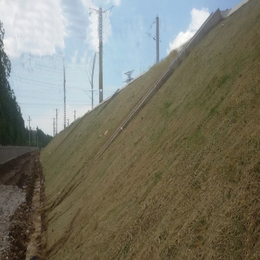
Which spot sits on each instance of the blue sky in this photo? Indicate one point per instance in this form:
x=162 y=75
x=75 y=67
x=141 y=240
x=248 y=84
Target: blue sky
x=42 y=36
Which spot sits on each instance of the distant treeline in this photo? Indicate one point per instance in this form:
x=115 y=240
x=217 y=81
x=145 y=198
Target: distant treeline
x=12 y=129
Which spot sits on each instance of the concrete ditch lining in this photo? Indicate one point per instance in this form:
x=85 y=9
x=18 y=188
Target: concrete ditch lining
x=8 y=153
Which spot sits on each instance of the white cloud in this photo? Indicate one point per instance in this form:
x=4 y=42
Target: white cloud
x=84 y=58
x=107 y=27
x=39 y=27
x=92 y=34
x=36 y=27
x=92 y=30
x=197 y=19
x=74 y=57
x=117 y=2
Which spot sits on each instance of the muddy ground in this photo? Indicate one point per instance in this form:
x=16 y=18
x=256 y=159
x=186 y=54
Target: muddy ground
x=21 y=197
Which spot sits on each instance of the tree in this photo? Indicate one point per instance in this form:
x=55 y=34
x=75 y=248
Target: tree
x=12 y=131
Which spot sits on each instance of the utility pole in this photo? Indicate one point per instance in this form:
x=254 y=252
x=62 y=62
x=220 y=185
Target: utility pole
x=64 y=95
x=100 y=16
x=29 y=120
x=54 y=133
x=56 y=121
x=74 y=115
x=92 y=84
x=157 y=39
x=68 y=122
x=100 y=35
x=35 y=134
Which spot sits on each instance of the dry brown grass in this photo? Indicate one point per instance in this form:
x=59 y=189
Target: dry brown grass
x=182 y=181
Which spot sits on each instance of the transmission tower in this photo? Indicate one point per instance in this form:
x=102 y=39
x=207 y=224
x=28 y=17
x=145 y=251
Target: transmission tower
x=129 y=76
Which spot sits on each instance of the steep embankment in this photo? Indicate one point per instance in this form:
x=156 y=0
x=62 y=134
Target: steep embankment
x=182 y=181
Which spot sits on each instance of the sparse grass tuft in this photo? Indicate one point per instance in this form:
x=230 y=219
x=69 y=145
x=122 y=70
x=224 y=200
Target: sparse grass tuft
x=223 y=80
x=126 y=249
x=157 y=177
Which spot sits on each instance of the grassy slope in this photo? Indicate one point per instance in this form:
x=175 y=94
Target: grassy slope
x=182 y=180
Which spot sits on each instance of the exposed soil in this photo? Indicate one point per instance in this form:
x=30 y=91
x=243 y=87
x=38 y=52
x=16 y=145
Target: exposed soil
x=21 y=193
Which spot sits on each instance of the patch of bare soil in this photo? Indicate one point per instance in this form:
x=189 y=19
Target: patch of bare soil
x=10 y=199
x=22 y=178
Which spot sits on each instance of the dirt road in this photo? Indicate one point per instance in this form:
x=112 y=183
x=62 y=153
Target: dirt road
x=21 y=196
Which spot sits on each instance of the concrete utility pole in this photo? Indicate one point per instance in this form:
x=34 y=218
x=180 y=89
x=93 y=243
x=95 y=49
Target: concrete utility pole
x=100 y=16
x=29 y=120
x=35 y=136
x=100 y=35
x=92 y=82
x=54 y=133
x=64 y=96
x=75 y=115
x=56 y=121
x=157 y=39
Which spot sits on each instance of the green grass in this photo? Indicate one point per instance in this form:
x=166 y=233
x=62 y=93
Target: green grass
x=157 y=177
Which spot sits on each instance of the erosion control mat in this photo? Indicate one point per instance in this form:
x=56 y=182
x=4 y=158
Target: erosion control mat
x=20 y=180
x=182 y=180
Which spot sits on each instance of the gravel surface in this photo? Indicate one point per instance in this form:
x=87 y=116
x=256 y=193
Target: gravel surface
x=10 y=199
x=17 y=209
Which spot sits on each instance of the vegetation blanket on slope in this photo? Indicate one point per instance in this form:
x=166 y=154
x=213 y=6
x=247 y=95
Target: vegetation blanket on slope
x=182 y=180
